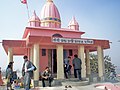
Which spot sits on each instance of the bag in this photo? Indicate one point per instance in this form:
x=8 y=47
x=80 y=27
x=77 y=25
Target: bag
x=34 y=67
x=23 y=69
x=31 y=72
x=30 y=64
x=23 y=72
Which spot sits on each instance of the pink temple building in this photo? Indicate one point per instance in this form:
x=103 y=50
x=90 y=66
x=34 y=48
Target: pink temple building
x=47 y=44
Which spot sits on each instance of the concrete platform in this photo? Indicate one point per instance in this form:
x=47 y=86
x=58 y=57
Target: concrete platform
x=64 y=82
x=75 y=82
x=87 y=87
x=60 y=85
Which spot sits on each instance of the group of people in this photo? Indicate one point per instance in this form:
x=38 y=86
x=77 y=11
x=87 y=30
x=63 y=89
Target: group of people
x=76 y=65
x=27 y=72
x=28 y=68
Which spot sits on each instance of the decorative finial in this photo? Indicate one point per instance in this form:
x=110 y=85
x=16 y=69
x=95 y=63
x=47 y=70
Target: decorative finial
x=49 y=0
x=34 y=13
x=73 y=18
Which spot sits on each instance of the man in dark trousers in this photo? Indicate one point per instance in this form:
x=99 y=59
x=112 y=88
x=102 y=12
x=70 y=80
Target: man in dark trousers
x=46 y=75
x=67 y=67
x=77 y=66
x=28 y=70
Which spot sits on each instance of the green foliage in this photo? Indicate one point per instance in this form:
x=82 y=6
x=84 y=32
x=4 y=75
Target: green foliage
x=94 y=63
x=109 y=67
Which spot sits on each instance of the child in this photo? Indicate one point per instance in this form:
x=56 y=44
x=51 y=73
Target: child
x=15 y=85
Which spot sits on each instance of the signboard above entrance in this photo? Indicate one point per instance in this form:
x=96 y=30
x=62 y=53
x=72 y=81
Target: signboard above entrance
x=71 y=40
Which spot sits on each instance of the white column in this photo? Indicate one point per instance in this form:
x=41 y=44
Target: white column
x=60 y=69
x=10 y=54
x=36 y=63
x=88 y=69
x=31 y=54
x=81 y=56
x=100 y=63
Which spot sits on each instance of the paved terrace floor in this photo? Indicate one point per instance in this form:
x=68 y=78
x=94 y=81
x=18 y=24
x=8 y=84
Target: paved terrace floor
x=87 y=87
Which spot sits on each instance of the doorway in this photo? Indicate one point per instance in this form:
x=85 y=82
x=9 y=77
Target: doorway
x=54 y=61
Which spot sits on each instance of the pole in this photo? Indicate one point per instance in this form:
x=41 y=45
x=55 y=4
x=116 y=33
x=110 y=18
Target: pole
x=25 y=2
x=27 y=11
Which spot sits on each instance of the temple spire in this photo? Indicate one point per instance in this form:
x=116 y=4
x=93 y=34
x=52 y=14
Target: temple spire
x=34 y=13
x=34 y=21
x=73 y=24
x=50 y=16
x=49 y=0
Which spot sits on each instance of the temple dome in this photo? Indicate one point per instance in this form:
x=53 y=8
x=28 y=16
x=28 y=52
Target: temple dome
x=73 y=24
x=50 y=16
x=34 y=20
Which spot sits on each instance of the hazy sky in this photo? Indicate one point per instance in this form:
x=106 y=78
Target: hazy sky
x=100 y=19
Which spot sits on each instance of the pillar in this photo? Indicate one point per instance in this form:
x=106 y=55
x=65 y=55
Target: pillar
x=60 y=69
x=81 y=56
x=10 y=54
x=31 y=54
x=36 y=61
x=88 y=69
x=100 y=63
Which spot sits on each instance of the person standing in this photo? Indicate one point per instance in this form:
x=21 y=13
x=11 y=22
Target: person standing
x=77 y=66
x=9 y=76
x=11 y=64
x=67 y=66
x=27 y=71
x=1 y=81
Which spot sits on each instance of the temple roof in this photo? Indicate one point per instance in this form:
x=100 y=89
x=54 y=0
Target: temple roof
x=50 y=13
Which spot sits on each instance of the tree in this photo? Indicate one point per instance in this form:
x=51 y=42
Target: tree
x=94 y=63
x=109 y=67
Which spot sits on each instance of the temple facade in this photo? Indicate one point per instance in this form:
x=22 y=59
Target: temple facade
x=47 y=44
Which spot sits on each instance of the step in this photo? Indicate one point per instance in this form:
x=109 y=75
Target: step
x=75 y=82
x=64 y=82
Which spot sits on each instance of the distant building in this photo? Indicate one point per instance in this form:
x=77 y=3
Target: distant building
x=47 y=44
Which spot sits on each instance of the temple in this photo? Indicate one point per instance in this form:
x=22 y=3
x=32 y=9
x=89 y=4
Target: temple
x=47 y=44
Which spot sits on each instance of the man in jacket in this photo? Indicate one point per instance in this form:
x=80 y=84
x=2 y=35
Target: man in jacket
x=77 y=66
x=28 y=70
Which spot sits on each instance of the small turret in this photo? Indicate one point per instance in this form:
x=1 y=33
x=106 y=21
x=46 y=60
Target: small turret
x=34 y=20
x=73 y=24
